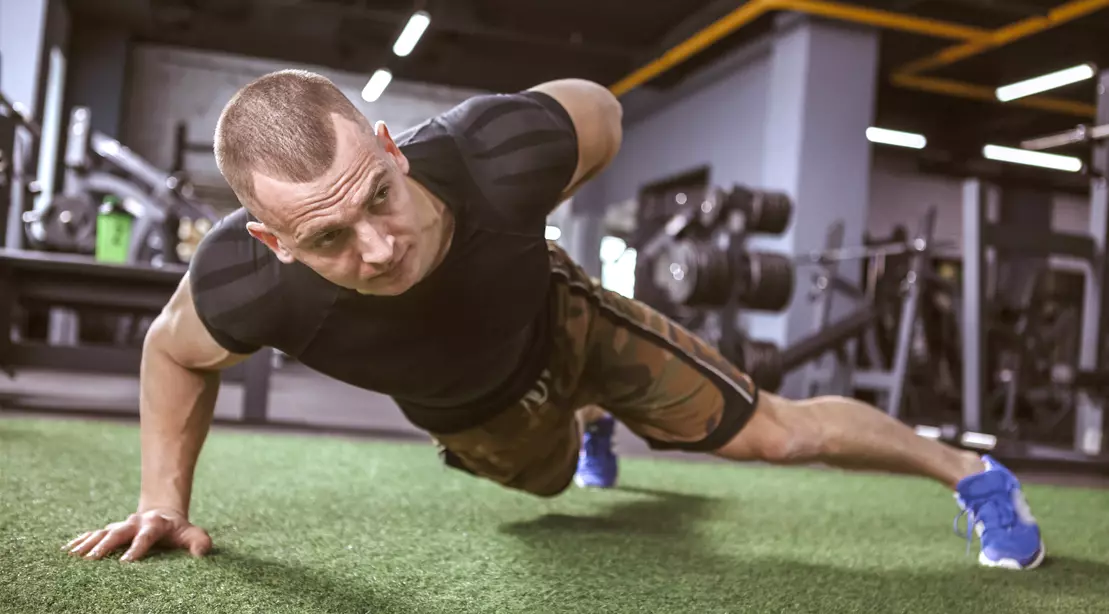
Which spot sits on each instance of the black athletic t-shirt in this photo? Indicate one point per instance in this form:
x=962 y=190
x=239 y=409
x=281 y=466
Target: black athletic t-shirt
x=471 y=338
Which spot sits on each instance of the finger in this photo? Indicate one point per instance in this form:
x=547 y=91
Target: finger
x=115 y=538
x=83 y=548
x=76 y=540
x=196 y=540
x=147 y=536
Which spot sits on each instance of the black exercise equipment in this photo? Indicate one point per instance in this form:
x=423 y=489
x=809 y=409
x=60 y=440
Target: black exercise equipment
x=36 y=281
x=1021 y=381
x=17 y=133
x=53 y=294
x=7 y=146
x=698 y=274
x=162 y=203
x=98 y=165
x=843 y=376
x=761 y=360
x=700 y=261
x=656 y=205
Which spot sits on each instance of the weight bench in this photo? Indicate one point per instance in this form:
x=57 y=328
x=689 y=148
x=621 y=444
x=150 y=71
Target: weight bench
x=49 y=280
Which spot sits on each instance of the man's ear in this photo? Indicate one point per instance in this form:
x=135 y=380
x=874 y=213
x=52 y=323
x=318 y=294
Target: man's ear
x=386 y=141
x=259 y=231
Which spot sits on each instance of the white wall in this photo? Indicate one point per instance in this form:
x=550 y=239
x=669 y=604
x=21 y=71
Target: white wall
x=169 y=85
x=22 y=28
x=719 y=126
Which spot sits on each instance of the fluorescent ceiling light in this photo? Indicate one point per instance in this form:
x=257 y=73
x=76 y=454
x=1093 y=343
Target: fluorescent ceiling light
x=411 y=34
x=1043 y=83
x=1032 y=158
x=376 y=85
x=895 y=137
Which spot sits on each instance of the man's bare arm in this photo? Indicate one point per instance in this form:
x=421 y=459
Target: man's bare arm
x=597 y=116
x=179 y=383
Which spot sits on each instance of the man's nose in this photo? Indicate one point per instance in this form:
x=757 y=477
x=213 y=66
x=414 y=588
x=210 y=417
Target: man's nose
x=376 y=247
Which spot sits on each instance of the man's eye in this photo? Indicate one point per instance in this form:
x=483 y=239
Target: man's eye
x=382 y=194
x=328 y=238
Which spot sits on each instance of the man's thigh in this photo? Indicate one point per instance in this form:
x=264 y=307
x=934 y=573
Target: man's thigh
x=531 y=447
x=665 y=384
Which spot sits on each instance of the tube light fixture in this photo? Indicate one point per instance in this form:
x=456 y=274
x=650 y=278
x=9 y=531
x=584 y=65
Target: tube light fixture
x=376 y=85
x=411 y=34
x=1032 y=158
x=895 y=137
x=1046 y=82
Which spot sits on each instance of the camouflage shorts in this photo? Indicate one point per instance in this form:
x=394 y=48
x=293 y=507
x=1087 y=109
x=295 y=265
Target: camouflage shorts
x=666 y=385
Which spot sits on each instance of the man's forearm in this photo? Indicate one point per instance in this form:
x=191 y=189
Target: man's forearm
x=176 y=406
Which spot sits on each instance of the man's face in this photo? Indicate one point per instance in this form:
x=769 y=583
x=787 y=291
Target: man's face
x=362 y=225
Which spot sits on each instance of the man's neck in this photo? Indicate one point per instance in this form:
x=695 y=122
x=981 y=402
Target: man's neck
x=445 y=224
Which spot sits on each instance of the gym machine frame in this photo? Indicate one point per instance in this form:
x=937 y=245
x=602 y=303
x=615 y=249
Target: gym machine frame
x=842 y=377
x=158 y=197
x=67 y=281
x=701 y=261
x=75 y=282
x=1091 y=381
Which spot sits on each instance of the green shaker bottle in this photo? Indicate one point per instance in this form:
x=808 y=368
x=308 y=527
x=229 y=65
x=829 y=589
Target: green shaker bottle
x=113 y=231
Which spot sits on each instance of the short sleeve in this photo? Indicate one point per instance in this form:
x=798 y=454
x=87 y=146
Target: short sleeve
x=234 y=285
x=519 y=149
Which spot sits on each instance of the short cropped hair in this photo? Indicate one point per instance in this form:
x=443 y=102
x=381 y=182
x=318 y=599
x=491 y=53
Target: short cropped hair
x=280 y=125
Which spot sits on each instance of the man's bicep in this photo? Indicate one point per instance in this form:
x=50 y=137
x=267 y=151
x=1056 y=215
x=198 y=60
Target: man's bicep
x=596 y=115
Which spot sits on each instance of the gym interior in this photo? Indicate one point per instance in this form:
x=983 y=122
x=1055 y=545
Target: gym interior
x=899 y=201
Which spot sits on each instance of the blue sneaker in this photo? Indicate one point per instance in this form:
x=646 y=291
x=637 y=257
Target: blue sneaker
x=995 y=507
x=597 y=462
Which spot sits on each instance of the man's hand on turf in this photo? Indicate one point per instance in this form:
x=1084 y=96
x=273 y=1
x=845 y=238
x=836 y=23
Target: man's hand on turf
x=163 y=527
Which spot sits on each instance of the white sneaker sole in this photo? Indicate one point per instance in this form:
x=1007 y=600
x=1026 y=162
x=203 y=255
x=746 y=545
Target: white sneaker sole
x=580 y=483
x=1012 y=564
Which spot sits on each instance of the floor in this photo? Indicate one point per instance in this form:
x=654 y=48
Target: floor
x=302 y=402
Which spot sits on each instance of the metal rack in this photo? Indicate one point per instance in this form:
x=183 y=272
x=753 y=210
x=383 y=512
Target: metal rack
x=982 y=237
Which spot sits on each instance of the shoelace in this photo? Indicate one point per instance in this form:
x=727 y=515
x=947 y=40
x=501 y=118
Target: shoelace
x=973 y=511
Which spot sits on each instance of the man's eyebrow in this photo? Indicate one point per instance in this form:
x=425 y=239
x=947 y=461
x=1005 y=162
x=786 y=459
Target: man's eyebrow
x=375 y=178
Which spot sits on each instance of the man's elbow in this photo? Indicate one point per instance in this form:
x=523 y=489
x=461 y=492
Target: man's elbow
x=609 y=124
x=616 y=123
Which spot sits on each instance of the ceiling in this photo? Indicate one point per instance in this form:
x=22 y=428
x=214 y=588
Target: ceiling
x=513 y=44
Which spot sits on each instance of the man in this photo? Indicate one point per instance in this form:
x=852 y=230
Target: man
x=417 y=267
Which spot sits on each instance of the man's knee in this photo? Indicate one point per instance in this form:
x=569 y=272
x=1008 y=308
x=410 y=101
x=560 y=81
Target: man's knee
x=781 y=431
x=544 y=481
x=540 y=480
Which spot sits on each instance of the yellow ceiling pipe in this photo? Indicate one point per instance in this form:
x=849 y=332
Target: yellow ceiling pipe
x=976 y=39
x=1006 y=35
x=979 y=92
x=882 y=19
x=694 y=44
x=752 y=10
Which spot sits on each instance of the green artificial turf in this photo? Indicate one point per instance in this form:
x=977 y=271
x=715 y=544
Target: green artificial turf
x=313 y=524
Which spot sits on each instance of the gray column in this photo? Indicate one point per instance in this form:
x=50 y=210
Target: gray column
x=22 y=29
x=820 y=102
x=584 y=226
